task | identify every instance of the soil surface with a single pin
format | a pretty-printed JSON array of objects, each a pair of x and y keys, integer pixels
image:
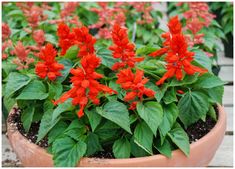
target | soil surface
[{"x": 195, "y": 132}]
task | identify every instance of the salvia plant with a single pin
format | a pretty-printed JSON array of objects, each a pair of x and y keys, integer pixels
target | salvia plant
[{"x": 89, "y": 98}]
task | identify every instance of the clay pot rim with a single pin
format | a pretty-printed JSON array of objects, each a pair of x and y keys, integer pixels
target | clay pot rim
[{"x": 194, "y": 145}]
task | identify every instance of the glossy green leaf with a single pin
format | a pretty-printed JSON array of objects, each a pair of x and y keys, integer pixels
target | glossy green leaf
[
  {"x": 144, "y": 137},
  {"x": 116, "y": 112},
  {"x": 68, "y": 64},
  {"x": 151, "y": 112},
  {"x": 192, "y": 106},
  {"x": 122, "y": 148},
  {"x": 15, "y": 82},
  {"x": 216, "y": 94},
  {"x": 208, "y": 81},
  {"x": 75, "y": 130},
  {"x": 170, "y": 114},
  {"x": 170, "y": 96},
  {"x": 56, "y": 131},
  {"x": 62, "y": 107},
  {"x": 72, "y": 52},
  {"x": 94, "y": 118},
  {"x": 164, "y": 148},
  {"x": 35, "y": 90},
  {"x": 46, "y": 124},
  {"x": 180, "y": 138},
  {"x": 27, "y": 117},
  {"x": 67, "y": 152},
  {"x": 93, "y": 144}
]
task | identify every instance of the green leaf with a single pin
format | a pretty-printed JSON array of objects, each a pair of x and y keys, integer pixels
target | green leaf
[
  {"x": 122, "y": 148},
  {"x": 136, "y": 150},
  {"x": 75, "y": 130},
  {"x": 94, "y": 118},
  {"x": 93, "y": 144},
  {"x": 15, "y": 82},
  {"x": 192, "y": 106},
  {"x": 144, "y": 137},
  {"x": 151, "y": 112},
  {"x": 67, "y": 152},
  {"x": 8, "y": 103},
  {"x": 116, "y": 112},
  {"x": 51, "y": 39},
  {"x": 212, "y": 113},
  {"x": 170, "y": 96},
  {"x": 72, "y": 52},
  {"x": 216, "y": 94},
  {"x": 55, "y": 90},
  {"x": 106, "y": 56},
  {"x": 46, "y": 124},
  {"x": 185, "y": 81},
  {"x": 68, "y": 64},
  {"x": 201, "y": 58},
  {"x": 27, "y": 117},
  {"x": 180, "y": 138},
  {"x": 66, "y": 106},
  {"x": 164, "y": 148},
  {"x": 35, "y": 90},
  {"x": 145, "y": 50},
  {"x": 108, "y": 131},
  {"x": 207, "y": 81},
  {"x": 170, "y": 115},
  {"x": 56, "y": 131}
]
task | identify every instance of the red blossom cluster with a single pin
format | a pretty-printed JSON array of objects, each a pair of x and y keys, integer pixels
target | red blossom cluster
[
  {"x": 85, "y": 84},
  {"x": 134, "y": 84},
  {"x": 108, "y": 16},
  {"x": 197, "y": 17},
  {"x": 49, "y": 67},
  {"x": 123, "y": 49},
  {"x": 67, "y": 14},
  {"x": 178, "y": 58},
  {"x": 144, "y": 8},
  {"x": 6, "y": 42},
  {"x": 78, "y": 36},
  {"x": 22, "y": 60},
  {"x": 33, "y": 13}
]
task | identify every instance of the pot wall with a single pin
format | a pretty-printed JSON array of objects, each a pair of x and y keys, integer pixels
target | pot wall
[{"x": 201, "y": 152}]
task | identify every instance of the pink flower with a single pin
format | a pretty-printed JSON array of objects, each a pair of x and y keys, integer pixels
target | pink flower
[
  {"x": 39, "y": 37},
  {"x": 6, "y": 32},
  {"x": 22, "y": 59}
]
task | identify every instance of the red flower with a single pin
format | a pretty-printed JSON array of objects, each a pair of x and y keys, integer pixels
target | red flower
[
  {"x": 134, "y": 84},
  {"x": 78, "y": 36},
  {"x": 123, "y": 49},
  {"x": 85, "y": 84},
  {"x": 49, "y": 67},
  {"x": 178, "y": 58},
  {"x": 22, "y": 59},
  {"x": 6, "y": 32}
]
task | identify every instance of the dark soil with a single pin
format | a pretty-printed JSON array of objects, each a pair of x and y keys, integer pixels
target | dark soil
[
  {"x": 195, "y": 132},
  {"x": 33, "y": 131}
]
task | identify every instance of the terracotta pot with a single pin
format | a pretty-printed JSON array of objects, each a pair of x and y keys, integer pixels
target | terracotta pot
[{"x": 201, "y": 152}]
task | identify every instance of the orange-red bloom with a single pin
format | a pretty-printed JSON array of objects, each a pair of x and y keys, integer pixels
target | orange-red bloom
[
  {"x": 85, "y": 84},
  {"x": 178, "y": 58},
  {"x": 49, "y": 67},
  {"x": 134, "y": 84},
  {"x": 78, "y": 36},
  {"x": 123, "y": 49}
]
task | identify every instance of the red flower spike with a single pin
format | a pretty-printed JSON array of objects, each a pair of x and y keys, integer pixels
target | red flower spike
[
  {"x": 123, "y": 49},
  {"x": 78, "y": 36},
  {"x": 134, "y": 84},
  {"x": 85, "y": 84},
  {"x": 178, "y": 58},
  {"x": 49, "y": 67}
]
